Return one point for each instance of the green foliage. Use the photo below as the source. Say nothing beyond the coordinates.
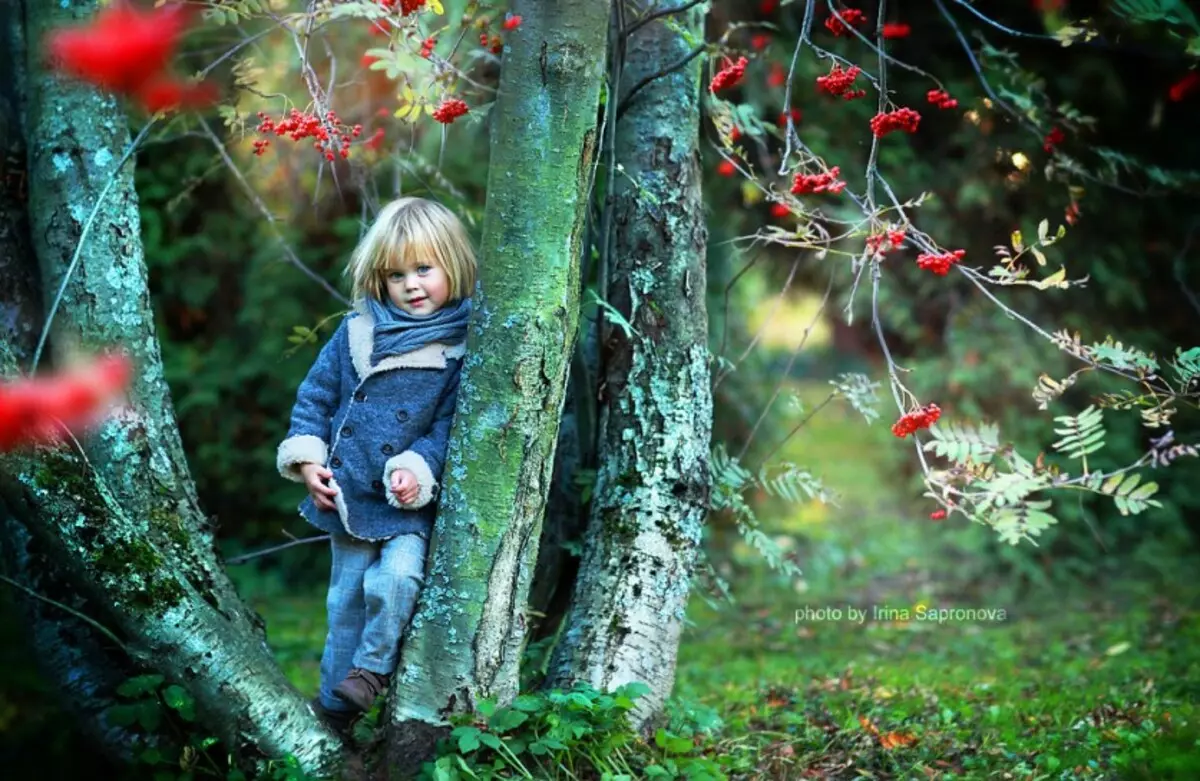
(731, 482)
(1082, 434)
(565, 734)
(173, 746)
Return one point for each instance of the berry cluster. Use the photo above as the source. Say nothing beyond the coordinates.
(299, 125)
(38, 410)
(494, 42)
(375, 141)
(941, 99)
(427, 46)
(937, 515)
(939, 264)
(901, 119)
(839, 81)
(449, 110)
(260, 147)
(911, 422)
(728, 76)
(852, 16)
(827, 182)
(406, 6)
(896, 30)
(1180, 89)
(1055, 137)
(878, 243)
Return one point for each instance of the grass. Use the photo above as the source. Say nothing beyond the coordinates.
(1084, 684)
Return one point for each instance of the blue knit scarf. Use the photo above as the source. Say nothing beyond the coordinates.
(398, 332)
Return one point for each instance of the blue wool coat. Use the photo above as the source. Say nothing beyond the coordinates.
(363, 422)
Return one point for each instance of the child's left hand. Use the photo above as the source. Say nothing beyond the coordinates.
(404, 486)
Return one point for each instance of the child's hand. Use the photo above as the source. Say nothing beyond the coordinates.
(314, 476)
(404, 486)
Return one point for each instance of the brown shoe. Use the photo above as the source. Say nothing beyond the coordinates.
(361, 687)
(340, 721)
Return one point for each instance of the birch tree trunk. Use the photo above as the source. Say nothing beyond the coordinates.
(653, 482)
(117, 513)
(465, 641)
(70, 654)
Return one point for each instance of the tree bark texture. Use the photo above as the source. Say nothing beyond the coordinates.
(466, 639)
(118, 512)
(653, 466)
(72, 655)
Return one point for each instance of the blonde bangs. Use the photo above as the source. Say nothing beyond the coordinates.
(409, 231)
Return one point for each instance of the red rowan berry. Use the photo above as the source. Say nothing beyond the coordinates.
(726, 168)
(901, 119)
(1055, 137)
(896, 30)
(850, 16)
(818, 183)
(449, 110)
(512, 22)
(838, 82)
(728, 76)
(939, 264)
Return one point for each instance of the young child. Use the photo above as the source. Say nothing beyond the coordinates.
(368, 438)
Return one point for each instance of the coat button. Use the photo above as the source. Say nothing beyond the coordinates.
(377, 485)
(387, 449)
(360, 396)
(401, 416)
(335, 462)
(347, 431)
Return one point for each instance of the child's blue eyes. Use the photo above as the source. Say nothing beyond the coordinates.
(398, 275)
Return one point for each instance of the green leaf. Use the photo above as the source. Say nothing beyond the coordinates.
(149, 715)
(140, 684)
(528, 702)
(468, 739)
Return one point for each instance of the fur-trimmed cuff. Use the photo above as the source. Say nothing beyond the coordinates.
(297, 450)
(426, 485)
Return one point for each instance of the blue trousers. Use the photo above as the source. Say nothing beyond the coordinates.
(373, 588)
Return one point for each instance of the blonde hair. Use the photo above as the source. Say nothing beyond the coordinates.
(409, 230)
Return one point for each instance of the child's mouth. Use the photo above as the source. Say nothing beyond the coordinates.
(416, 301)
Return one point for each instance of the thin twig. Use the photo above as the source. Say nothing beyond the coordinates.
(624, 104)
(274, 549)
(82, 240)
(86, 619)
(262, 207)
(648, 18)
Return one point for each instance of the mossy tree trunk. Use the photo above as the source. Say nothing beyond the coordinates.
(70, 653)
(653, 479)
(466, 639)
(117, 513)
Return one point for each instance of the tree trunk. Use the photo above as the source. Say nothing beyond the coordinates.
(465, 641)
(71, 655)
(119, 514)
(653, 483)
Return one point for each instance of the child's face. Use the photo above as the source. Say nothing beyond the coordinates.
(417, 287)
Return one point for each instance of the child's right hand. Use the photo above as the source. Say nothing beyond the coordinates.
(314, 476)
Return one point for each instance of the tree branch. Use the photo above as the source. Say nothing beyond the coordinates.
(624, 104)
(648, 18)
